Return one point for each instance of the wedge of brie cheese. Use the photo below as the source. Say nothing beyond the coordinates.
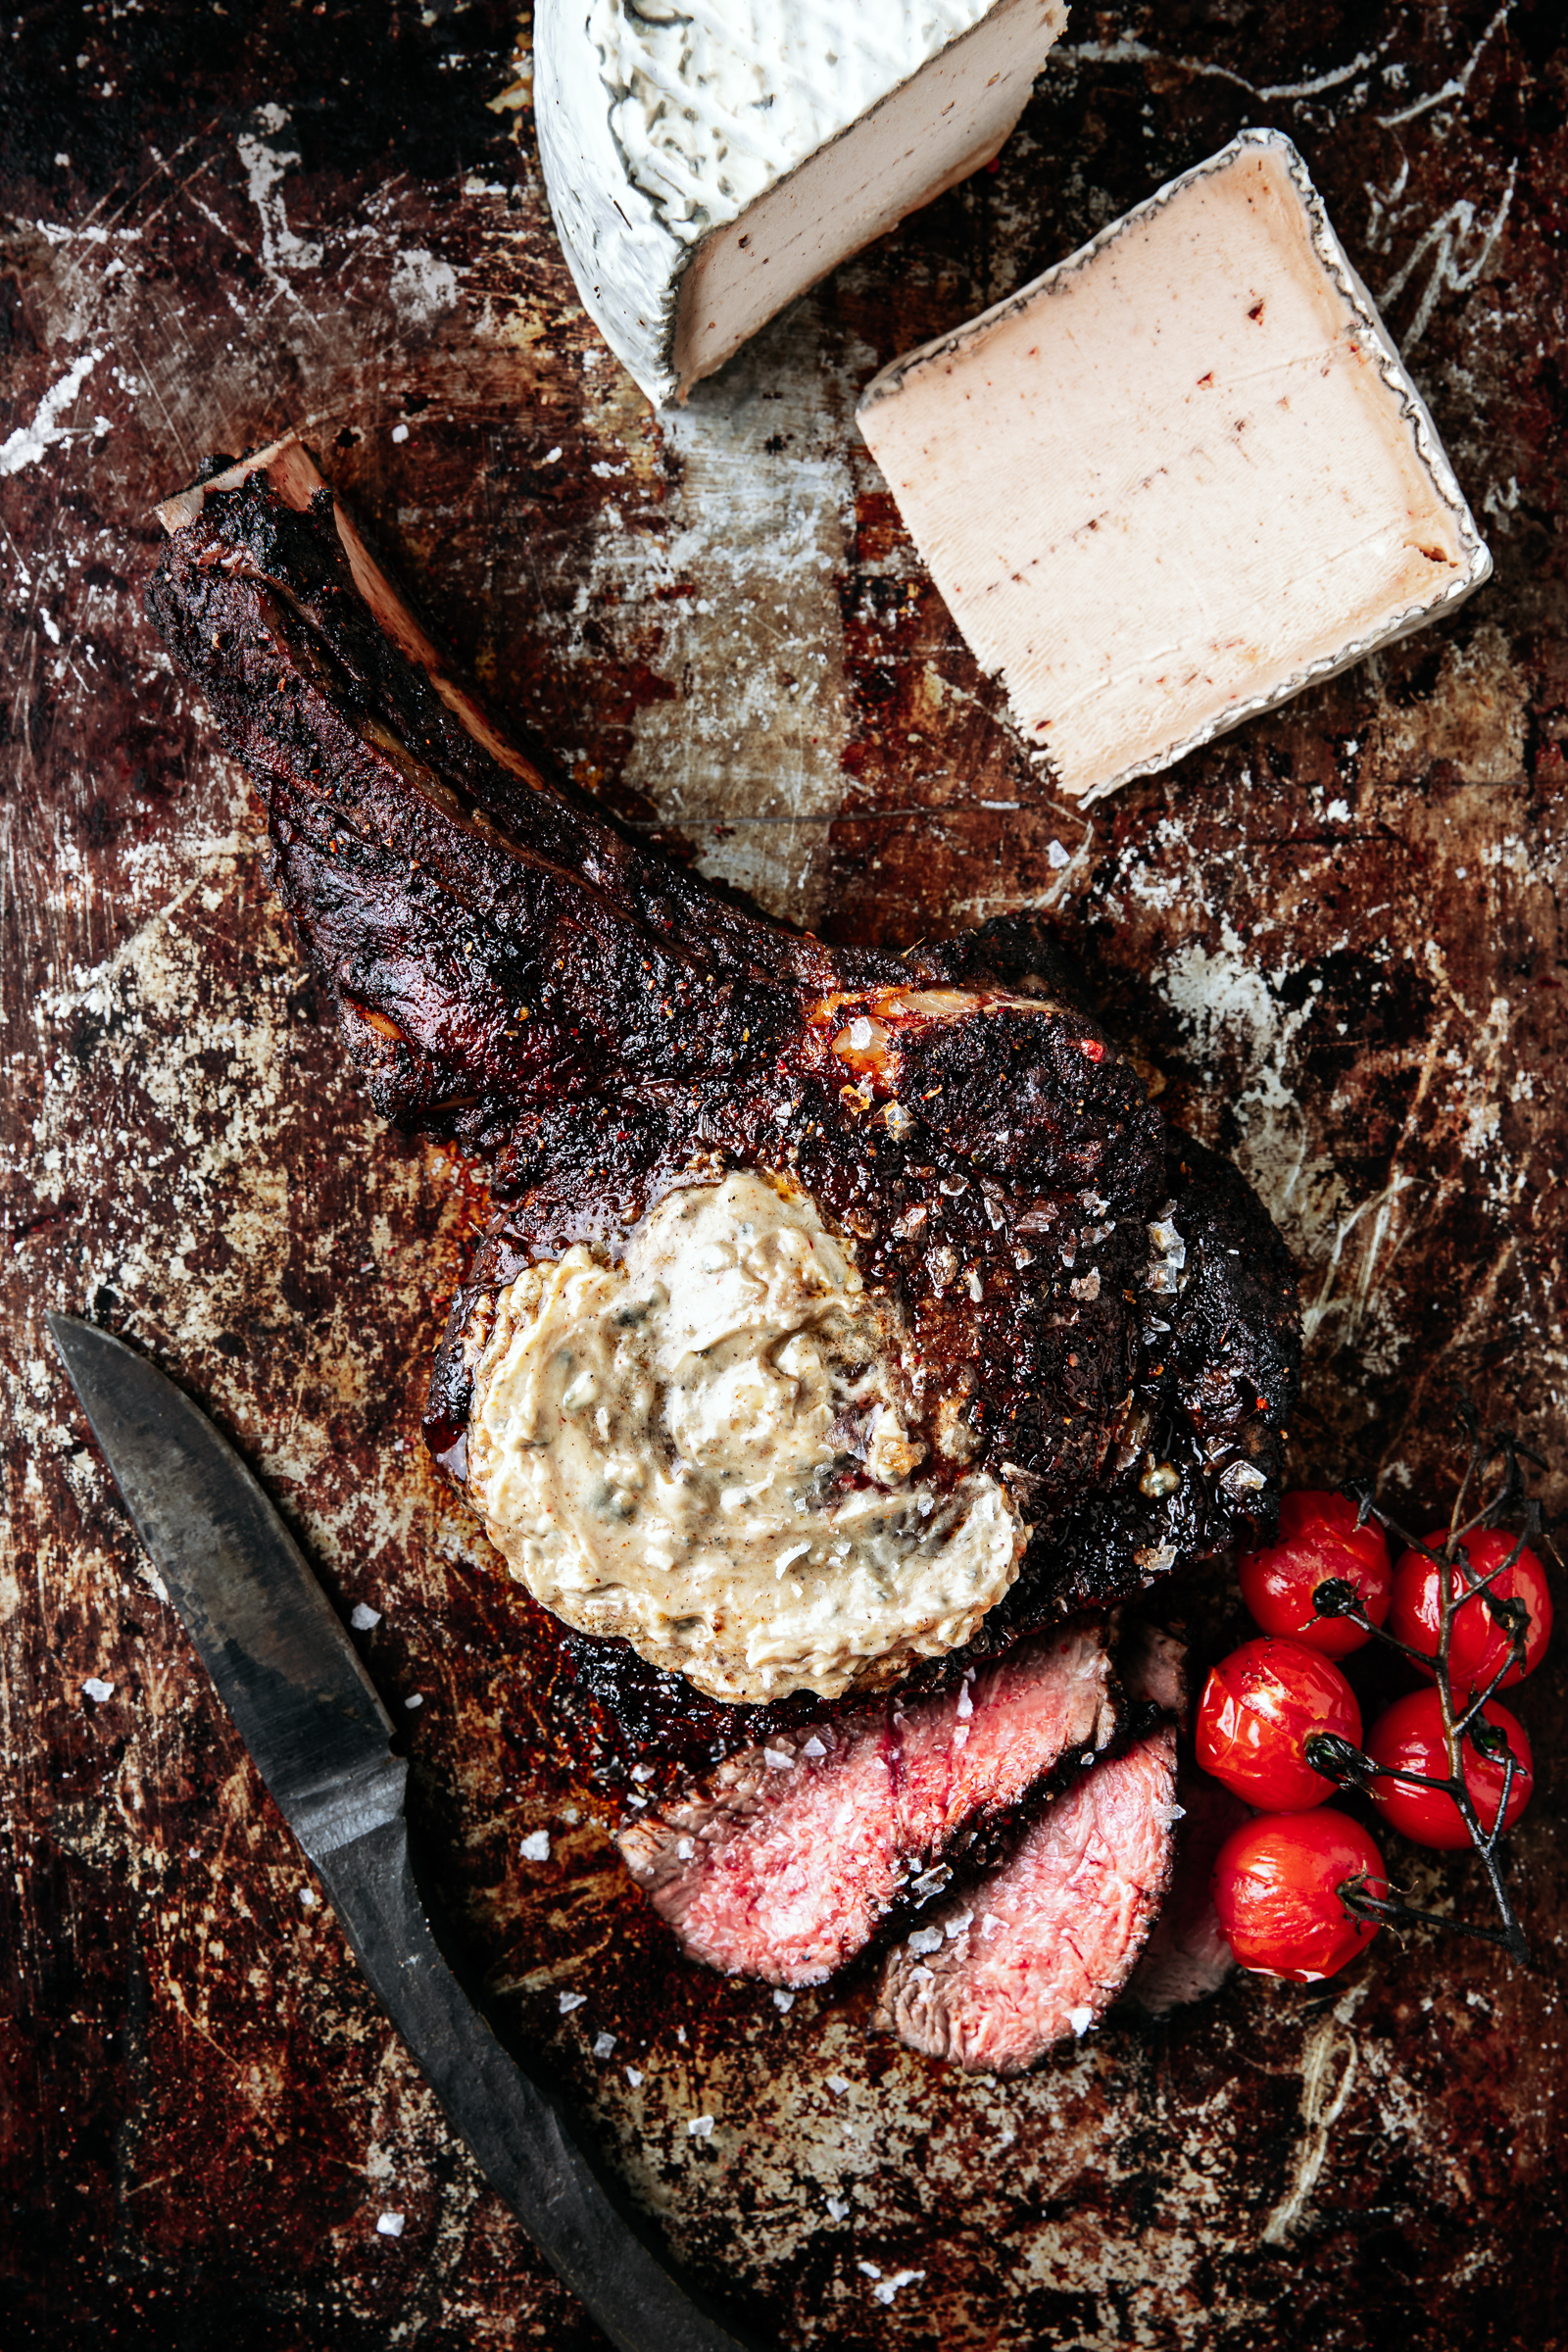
(1178, 477)
(709, 159)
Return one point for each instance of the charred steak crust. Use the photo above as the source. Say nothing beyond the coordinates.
(512, 971)
(1215, 1395)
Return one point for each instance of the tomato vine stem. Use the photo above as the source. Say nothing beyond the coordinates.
(1458, 1583)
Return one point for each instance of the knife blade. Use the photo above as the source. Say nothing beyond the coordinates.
(310, 1715)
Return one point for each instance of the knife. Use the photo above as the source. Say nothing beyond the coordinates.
(321, 1738)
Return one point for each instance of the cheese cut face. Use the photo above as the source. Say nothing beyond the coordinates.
(1179, 477)
(707, 163)
(702, 1450)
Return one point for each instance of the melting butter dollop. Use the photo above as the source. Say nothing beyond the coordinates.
(701, 1449)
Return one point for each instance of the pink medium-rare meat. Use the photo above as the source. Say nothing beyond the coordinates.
(1186, 1955)
(781, 1863)
(1040, 1948)
(1153, 1665)
(1023, 1955)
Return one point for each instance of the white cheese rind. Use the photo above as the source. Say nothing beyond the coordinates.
(1180, 477)
(661, 128)
(703, 1451)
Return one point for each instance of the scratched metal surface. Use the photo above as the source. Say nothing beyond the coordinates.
(1337, 936)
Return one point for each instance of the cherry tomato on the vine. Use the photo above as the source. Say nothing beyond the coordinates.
(1319, 1542)
(1410, 1737)
(1276, 1888)
(1257, 1709)
(1478, 1647)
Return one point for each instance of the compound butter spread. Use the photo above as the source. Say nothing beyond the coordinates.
(702, 1449)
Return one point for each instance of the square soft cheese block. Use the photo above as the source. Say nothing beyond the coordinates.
(707, 163)
(1178, 477)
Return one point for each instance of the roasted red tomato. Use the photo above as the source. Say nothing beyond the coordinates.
(1410, 1737)
(1319, 1542)
(1276, 1888)
(1478, 1647)
(1258, 1706)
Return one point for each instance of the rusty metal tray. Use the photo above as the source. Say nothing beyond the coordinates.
(1335, 934)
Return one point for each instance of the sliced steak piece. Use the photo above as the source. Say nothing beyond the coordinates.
(1186, 1956)
(1021, 1956)
(1153, 1665)
(781, 1863)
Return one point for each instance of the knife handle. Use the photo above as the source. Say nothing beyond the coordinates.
(517, 2131)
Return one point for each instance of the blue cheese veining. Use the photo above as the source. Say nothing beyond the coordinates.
(701, 1449)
